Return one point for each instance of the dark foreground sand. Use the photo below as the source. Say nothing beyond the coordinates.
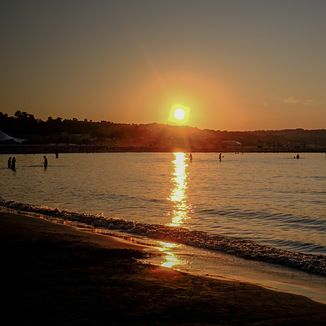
(54, 275)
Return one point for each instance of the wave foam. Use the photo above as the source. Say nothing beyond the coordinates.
(315, 264)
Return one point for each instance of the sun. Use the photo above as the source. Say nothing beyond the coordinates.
(179, 114)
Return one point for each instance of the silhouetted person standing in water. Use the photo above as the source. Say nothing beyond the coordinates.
(220, 157)
(45, 161)
(13, 164)
(9, 163)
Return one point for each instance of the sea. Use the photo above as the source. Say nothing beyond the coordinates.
(257, 217)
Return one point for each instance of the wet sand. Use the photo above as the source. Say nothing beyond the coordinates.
(55, 275)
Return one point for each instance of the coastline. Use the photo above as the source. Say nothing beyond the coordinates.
(72, 148)
(57, 274)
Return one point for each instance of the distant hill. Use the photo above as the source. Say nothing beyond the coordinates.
(106, 135)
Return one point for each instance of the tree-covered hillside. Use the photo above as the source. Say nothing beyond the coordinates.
(109, 135)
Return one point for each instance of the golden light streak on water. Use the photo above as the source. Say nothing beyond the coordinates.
(178, 194)
(170, 259)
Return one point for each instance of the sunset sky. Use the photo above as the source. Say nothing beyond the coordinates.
(234, 65)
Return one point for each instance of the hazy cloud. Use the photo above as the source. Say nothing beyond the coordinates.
(290, 100)
(308, 102)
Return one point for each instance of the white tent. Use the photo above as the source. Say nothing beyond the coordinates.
(5, 137)
(231, 142)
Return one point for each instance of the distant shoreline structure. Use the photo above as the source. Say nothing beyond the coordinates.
(62, 135)
(73, 148)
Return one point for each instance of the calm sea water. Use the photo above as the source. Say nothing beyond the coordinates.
(268, 207)
(272, 199)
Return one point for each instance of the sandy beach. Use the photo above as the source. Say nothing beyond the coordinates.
(55, 275)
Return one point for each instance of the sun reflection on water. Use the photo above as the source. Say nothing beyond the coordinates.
(170, 259)
(178, 194)
(180, 208)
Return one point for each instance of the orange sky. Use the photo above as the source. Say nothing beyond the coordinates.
(235, 65)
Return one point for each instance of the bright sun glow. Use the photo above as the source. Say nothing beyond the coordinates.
(179, 114)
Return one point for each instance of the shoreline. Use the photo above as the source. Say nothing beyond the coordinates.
(91, 149)
(202, 262)
(75, 276)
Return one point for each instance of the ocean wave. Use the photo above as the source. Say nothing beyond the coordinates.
(310, 263)
(298, 245)
(284, 219)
